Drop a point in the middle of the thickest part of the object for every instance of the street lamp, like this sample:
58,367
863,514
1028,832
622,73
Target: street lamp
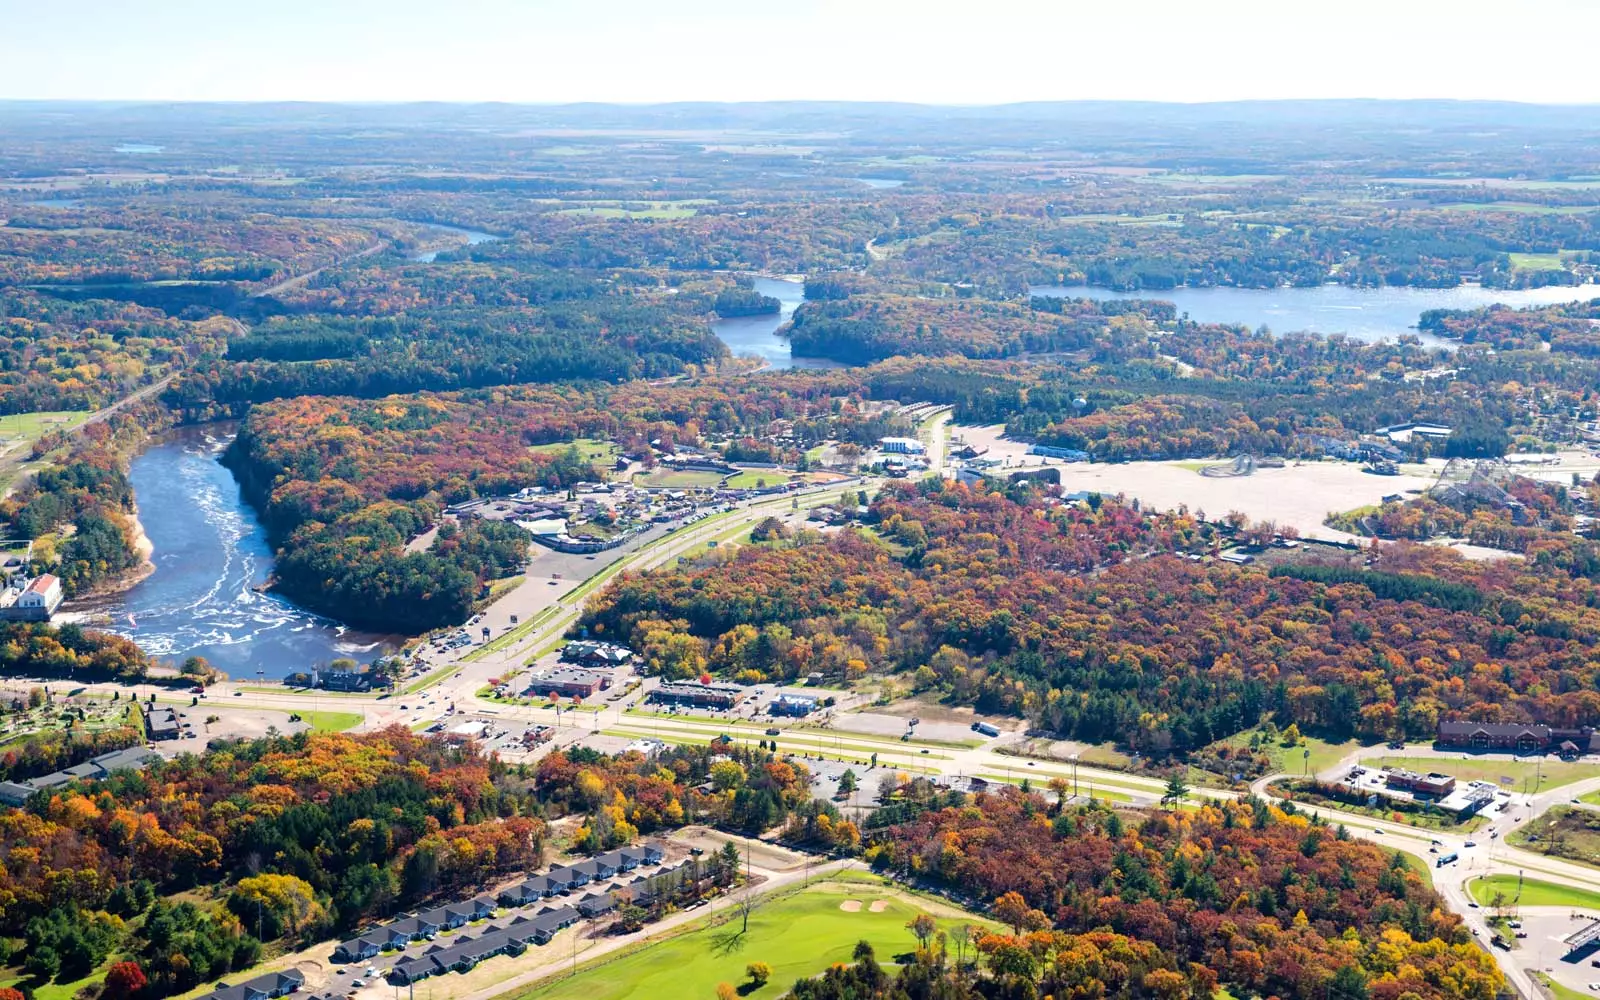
1074,760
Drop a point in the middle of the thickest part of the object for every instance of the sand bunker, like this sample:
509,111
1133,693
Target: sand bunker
878,905
851,906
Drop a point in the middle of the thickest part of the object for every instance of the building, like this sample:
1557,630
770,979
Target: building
901,446
596,654
569,683
161,723
358,681
265,987
718,696
1517,737
32,600
1433,784
1403,433
794,704
1065,454
15,793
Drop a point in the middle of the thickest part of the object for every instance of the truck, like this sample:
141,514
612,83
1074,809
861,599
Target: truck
987,729
1447,859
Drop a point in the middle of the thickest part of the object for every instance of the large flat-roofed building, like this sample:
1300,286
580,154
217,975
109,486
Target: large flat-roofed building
569,683
596,654
794,704
720,696
161,723
902,446
1432,784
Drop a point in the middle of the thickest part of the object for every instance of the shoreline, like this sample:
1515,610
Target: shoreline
130,578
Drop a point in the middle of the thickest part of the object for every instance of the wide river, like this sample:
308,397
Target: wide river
757,335
211,554
1364,313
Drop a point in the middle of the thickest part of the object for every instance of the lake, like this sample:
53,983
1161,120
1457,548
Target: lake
210,554
473,239
757,335
1363,313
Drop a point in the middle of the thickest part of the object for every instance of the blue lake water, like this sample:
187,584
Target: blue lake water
211,554
474,237
1364,313
757,335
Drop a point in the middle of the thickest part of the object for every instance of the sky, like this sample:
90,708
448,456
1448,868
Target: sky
930,51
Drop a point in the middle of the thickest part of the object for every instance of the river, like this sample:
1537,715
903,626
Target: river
757,335
210,554
1363,313
474,237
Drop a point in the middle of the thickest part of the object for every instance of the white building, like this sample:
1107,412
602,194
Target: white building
902,446
32,600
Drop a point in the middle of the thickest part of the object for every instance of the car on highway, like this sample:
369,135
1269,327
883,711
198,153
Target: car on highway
773,731
1471,843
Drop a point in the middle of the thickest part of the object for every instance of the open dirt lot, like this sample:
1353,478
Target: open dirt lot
874,724
1299,495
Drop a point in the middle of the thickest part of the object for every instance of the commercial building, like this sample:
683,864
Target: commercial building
718,696
596,654
1066,454
569,683
794,704
902,446
161,723
1517,737
32,600
1433,784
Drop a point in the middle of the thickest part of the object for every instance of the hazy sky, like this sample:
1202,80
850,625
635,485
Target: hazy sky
975,51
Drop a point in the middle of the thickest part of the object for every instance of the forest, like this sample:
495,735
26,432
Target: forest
1086,619
1170,905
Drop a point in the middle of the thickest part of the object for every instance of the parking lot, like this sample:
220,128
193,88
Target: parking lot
1543,950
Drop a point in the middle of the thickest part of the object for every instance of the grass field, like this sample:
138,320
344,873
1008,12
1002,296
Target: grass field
596,450
1534,892
1573,834
31,426
750,480
324,721
799,935
1541,776
1558,991
1536,261
677,479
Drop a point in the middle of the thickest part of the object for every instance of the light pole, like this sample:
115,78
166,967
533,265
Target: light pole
1074,759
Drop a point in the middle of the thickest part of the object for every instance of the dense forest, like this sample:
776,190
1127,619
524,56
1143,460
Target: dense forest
1170,905
988,601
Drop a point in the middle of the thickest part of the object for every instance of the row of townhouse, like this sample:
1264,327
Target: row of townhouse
263,987
640,891
511,938
415,927
565,878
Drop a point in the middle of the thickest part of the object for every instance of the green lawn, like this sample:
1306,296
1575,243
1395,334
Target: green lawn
1541,776
1557,990
1536,261
596,450
324,721
750,480
798,935
31,426
1534,892
677,479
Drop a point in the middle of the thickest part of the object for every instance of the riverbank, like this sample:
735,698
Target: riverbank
194,524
